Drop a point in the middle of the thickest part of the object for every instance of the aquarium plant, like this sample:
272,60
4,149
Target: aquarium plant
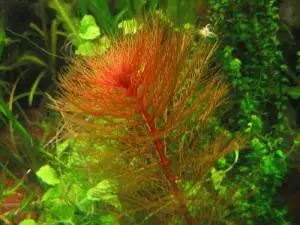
146,103
252,59
155,120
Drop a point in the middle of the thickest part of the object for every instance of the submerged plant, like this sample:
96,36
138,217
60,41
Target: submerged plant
146,104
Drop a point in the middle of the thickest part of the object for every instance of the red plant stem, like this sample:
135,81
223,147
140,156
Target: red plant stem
164,161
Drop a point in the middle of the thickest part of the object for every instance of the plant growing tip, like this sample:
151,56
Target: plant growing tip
141,100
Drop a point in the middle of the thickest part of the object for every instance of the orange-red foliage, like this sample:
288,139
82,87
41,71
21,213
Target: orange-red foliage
141,93
149,74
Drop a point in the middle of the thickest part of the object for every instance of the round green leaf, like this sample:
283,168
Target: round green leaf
89,30
48,175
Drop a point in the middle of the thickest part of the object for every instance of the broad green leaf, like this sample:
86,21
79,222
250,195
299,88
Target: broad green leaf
60,208
77,193
63,210
48,175
88,30
53,193
28,222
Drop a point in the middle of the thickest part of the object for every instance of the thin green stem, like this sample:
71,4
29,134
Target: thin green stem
64,16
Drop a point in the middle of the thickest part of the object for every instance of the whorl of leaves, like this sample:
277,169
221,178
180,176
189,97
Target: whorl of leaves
141,100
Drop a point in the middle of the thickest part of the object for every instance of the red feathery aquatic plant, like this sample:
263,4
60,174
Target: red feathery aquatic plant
142,100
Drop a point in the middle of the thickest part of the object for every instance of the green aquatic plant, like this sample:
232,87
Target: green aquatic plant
32,55
294,91
253,63
146,103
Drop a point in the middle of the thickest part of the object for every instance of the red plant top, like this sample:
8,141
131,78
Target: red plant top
139,73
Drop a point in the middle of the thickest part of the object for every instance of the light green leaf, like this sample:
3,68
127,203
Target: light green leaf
86,48
59,208
48,175
88,28
128,26
104,191
34,87
217,177
188,26
62,147
108,219
28,222
256,124
63,210
53,193
104,44
281,154
190,189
